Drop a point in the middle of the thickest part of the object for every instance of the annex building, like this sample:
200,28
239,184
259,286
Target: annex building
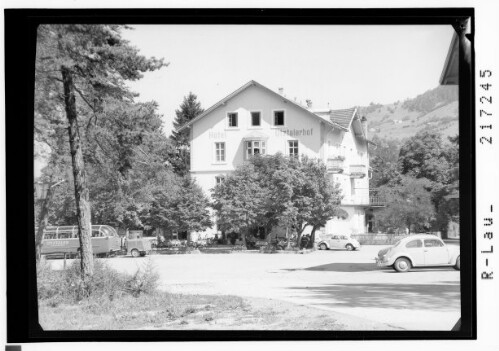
254,119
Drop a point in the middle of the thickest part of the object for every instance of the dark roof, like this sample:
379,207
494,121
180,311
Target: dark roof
254,83
342,117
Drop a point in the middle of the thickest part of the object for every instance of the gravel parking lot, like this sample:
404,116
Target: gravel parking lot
347,282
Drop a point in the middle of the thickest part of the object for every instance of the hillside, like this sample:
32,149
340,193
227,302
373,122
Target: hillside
435,110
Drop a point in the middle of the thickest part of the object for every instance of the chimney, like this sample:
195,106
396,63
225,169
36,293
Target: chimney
281,91
363,122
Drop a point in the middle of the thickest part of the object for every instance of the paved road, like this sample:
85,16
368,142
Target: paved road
341,281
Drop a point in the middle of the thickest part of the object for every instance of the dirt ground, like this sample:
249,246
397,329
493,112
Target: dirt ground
336,283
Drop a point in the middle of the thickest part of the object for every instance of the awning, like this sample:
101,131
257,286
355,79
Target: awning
255,135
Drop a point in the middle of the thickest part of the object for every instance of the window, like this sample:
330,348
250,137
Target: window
65,235
433,243
278,118
232,123
255,147
96,233
255,119
50,236
219,152
219,180
413,244
293,148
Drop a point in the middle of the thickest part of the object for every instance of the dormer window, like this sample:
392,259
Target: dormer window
278,118
232,119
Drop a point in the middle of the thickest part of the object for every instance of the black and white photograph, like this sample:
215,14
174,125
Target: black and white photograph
247,177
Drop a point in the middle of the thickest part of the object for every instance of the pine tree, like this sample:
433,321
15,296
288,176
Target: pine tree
189,109
78,67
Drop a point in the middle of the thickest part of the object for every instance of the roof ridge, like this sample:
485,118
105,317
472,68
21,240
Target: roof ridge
240,90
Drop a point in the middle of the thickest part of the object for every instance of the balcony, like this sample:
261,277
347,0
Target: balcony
375,199
358,171
335,165
356,200
364,198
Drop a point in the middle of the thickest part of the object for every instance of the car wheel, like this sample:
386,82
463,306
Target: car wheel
323,246
349,247
402,265
135,253
458,263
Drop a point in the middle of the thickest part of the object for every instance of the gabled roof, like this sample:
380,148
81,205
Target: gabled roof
254,83
342,117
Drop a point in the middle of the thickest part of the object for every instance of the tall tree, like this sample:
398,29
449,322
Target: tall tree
240,201
78,67
316,198
384,161
189,109
274,190
181,207
409,205
423,156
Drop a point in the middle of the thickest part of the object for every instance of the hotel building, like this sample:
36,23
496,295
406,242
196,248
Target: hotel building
254,119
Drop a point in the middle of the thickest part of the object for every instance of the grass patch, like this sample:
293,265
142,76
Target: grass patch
166,311
117,301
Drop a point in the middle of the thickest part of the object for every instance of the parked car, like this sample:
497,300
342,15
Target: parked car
339,242
421,250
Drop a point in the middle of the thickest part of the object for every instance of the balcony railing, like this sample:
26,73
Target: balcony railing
335,165
358,199
364,199
376,199
358,171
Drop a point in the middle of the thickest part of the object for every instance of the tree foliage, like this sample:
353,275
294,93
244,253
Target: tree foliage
384,161
189,109
275,190
424,156
79,67
409,205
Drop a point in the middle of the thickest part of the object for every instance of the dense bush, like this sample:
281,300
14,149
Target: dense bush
106,283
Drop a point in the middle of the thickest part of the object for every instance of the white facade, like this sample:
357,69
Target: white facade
225,134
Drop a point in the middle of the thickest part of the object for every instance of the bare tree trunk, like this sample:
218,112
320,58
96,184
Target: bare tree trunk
81,190
312,237
300,234
42,222
243,237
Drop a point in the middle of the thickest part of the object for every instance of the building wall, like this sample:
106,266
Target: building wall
353,224
213,128
355,152
316,139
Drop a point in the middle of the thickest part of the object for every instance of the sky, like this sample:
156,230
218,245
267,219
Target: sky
334,66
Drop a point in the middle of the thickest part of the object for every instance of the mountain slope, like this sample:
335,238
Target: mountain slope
435,110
